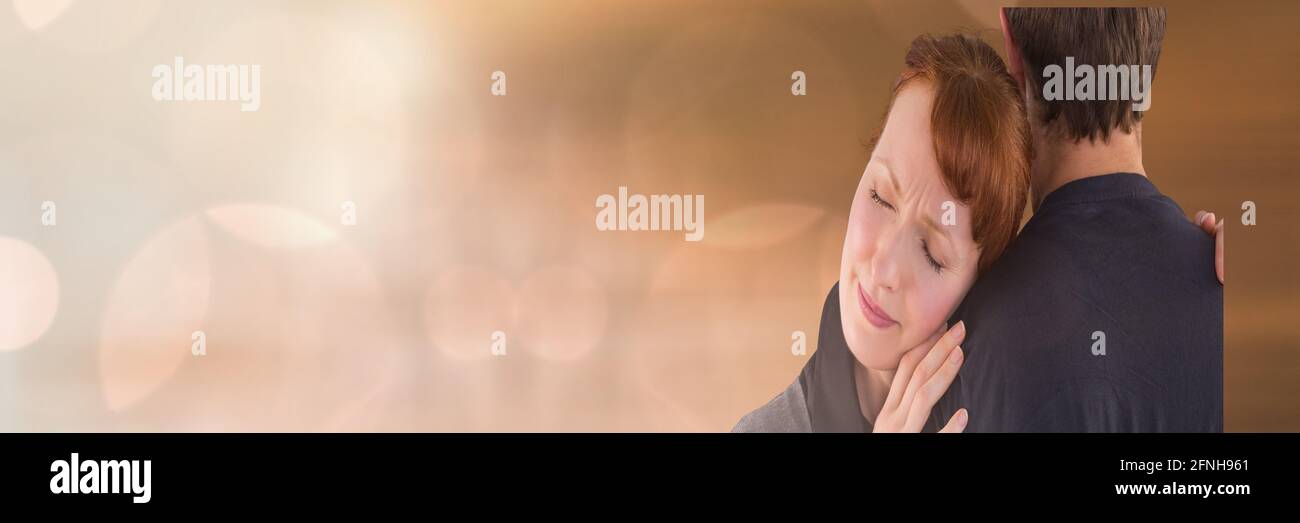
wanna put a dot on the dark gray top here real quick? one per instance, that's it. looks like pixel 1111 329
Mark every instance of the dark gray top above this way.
pixel 824 397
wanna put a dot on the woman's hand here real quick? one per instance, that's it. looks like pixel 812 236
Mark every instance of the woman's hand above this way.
pixel 923 377
pixel 1207 223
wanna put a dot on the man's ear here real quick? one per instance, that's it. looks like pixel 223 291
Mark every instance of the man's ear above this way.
pixel 1015 64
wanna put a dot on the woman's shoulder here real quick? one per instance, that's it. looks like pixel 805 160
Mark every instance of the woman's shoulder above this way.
pixel 787 412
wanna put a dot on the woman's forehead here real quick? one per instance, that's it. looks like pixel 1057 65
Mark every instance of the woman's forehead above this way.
pixel 905 155
pixel 906 141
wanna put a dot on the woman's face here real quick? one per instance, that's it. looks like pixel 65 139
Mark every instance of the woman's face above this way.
pixel 908 256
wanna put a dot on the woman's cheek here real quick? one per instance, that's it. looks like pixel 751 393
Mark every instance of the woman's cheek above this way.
pixel 931 308
pixel 861 233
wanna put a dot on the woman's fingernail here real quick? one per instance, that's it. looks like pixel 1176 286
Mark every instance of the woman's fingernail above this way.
pixel 962 417
pixel 955 357
pixel 960 328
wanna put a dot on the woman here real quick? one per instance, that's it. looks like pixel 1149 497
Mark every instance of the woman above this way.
pixel 939 201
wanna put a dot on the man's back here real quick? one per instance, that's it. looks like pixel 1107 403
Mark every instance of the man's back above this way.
pixel 1104 315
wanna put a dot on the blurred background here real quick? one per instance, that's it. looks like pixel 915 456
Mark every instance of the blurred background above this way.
pixel 475 213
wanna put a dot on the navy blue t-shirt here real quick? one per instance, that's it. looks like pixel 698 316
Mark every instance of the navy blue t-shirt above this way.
pixel 1104 315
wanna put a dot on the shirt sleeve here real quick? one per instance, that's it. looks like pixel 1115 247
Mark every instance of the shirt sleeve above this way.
pixel 787 412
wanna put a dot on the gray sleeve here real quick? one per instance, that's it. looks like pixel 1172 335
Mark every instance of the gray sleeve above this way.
pixel 787 412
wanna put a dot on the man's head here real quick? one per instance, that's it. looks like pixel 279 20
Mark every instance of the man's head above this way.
pixel 1038 38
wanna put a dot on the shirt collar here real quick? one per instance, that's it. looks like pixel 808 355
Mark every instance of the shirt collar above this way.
pixel 1099 188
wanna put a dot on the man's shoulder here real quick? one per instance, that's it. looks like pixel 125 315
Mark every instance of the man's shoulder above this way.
pixel 1031 264
pixel 1100 251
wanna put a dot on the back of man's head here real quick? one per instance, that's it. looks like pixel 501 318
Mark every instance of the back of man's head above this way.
pixel 1090 38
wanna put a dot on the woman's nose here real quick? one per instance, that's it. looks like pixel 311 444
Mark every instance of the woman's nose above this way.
pixel 885 263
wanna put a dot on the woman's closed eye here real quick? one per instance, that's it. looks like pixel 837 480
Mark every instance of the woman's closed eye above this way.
pixel 875 196
pixel 934 264
pixel 925 245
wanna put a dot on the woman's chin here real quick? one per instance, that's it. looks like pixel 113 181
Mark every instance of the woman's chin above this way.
pixel 873 351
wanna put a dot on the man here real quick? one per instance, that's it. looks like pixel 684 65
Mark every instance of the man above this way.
pixel 1105 314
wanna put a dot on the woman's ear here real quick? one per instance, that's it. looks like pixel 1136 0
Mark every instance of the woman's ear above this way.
pixel 1015 65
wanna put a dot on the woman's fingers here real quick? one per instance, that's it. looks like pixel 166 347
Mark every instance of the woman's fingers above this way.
pixel 957 423
pixel 904 372
pixel 1218 250
pixel 932 362
pixel 933 389
pixel 1204 217
pixel 927 363
pixel 1213 226
pixel 1204 220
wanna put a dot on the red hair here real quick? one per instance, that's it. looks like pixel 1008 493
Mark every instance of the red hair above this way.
pixel 981 133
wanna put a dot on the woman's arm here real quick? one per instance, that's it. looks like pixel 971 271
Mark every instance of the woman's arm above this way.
pixel 787 412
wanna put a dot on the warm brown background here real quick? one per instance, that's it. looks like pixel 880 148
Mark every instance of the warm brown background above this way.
pixel 475 213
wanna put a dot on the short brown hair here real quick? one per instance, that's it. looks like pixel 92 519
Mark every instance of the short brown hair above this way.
pixel 1093 36
pixel 981 135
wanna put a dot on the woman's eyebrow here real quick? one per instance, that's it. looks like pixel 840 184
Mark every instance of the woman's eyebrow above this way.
pixel 893 180
pixel 926 218
pixel 889 171
pixel 940 230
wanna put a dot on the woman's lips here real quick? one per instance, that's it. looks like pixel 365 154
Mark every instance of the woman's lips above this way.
pixel 874 314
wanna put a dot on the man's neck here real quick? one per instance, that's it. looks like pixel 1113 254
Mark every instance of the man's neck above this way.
pixel 1059 161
